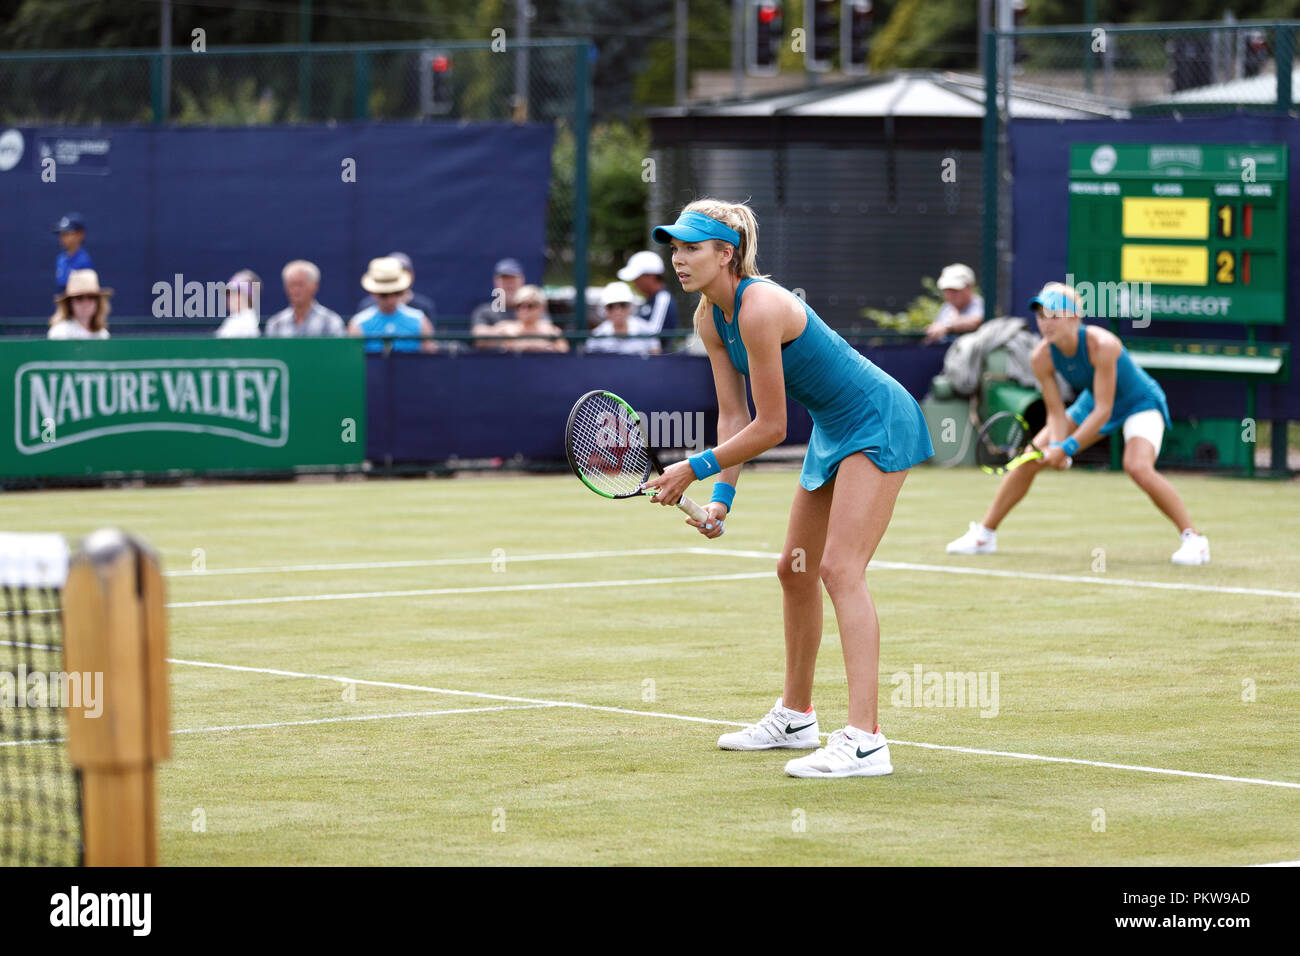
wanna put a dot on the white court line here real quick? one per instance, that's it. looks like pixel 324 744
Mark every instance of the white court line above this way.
pixel 1036 576
pixel 455 693
pixel 430 562
pixel 29 743
pixel 731 723
pixel 424 592
pixel 304 723
pixel 1283 863
pixel 340 720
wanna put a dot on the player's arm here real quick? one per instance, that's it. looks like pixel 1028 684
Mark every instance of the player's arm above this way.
pixel 1103 351
pixel 763 323
pixel 1058 423
pixel 733 403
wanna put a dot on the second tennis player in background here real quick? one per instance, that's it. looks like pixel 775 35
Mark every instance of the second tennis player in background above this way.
pixel 867 432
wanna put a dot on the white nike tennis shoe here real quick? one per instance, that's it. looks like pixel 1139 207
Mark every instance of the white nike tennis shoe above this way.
pixel 977 540
pixel 848 753
pixel 781 728
pixel 1195 549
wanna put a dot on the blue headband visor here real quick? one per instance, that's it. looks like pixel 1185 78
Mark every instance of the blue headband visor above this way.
pixel 696 227
pixel 1055 300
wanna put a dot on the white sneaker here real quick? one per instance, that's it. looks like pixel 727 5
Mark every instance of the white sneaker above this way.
pixel 975 541
pixel 781 728
pixel 848 753
pixel 1195 549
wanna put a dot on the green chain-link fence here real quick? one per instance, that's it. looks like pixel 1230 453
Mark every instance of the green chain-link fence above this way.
pixel 537 80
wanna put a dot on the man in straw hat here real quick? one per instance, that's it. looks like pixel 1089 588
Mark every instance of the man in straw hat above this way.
pixel 81 311
pixel 388 281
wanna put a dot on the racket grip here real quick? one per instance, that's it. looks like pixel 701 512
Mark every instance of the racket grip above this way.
pixel 692 509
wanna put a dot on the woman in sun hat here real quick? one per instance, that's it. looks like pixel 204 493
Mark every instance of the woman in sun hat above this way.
pixel 81 311
pixel 867 432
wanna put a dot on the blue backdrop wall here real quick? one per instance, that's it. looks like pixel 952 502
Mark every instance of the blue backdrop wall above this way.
pixel 428 408
pixel 207 202
pixel 1040 155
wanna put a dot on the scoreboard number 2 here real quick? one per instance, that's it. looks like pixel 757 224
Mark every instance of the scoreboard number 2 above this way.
pixel 1225 263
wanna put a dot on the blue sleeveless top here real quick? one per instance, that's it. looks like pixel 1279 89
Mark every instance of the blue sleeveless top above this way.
pixel 1135 390
pixel 403 321
pixel 855 407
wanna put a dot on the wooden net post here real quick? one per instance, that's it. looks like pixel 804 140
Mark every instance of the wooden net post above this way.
pixel 114 626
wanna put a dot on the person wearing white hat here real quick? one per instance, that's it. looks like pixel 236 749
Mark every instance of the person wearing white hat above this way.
pixel 962 310
pixel 612 334
pixel 81 311
pixel 645 270
pixel 389 321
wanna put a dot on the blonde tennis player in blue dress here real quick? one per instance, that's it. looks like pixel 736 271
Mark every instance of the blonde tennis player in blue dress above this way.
pixel 867 432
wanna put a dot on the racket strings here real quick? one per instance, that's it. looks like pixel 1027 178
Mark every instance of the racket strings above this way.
pixel 1002 440
pixel 608 448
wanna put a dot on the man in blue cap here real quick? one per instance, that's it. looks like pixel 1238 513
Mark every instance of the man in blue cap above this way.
pixel 507 279
pixel 71 230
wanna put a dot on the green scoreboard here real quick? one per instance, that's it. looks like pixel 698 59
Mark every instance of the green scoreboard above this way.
pixel 1196 233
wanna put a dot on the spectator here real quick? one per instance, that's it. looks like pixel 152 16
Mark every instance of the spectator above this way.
pixel 532 320
pixel 81 312
pixel 243 294
pixel 71 230
pixel 645 270
pixel 611 335
pixel 305 317
pixel 507 280
pixel 962 310
pixel 387 280
pixel 414 299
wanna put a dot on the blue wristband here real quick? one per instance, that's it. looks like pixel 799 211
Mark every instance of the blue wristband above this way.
pixel 724 493
pixel 704 464
pixel 1070 446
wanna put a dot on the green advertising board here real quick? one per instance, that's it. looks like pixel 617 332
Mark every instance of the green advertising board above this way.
pixel 1182 231
pixel 158 406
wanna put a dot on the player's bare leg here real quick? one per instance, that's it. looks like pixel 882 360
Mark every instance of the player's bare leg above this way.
pixel 1140 465
pixel 801 591
pixel 860 512
pixel 1015 485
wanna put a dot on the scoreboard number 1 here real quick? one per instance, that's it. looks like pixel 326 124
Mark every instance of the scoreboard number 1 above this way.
pixel 1225 221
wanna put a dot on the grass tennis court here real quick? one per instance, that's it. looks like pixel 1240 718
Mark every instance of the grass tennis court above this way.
pixel 524 708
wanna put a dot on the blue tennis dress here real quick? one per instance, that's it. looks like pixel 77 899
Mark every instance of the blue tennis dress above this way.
pixel 1135 390
pixel 855 407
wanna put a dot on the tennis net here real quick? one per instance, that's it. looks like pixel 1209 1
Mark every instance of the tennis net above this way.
pixel 40 791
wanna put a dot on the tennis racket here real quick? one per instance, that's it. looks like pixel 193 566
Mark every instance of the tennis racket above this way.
pixel 608 450
pixel 1005 442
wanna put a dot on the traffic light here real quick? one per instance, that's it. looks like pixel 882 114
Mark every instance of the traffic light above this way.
pixel 435 83
pixel 821 33
pixel 856 27
pixel 441 67
pixel 763 40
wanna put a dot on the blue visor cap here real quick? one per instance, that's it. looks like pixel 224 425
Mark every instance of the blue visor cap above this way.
pixel 696 227
pixel 1055 300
